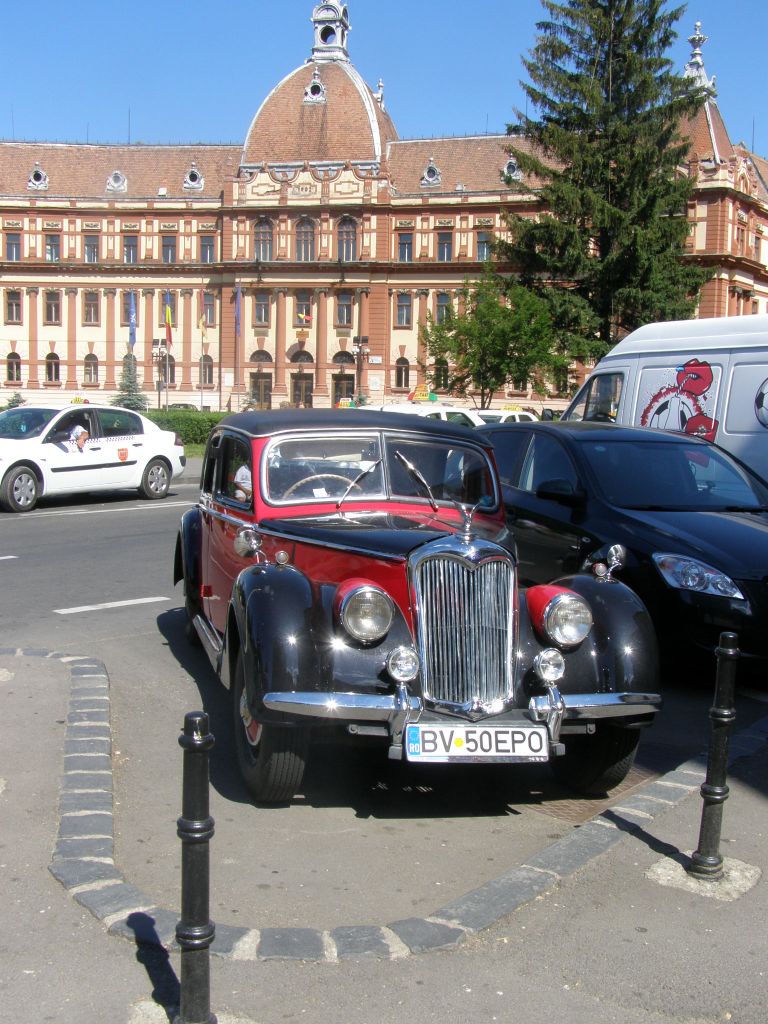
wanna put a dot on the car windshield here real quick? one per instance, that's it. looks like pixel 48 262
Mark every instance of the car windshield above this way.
pixel 651 475
pixel 21 423
pixel 350 467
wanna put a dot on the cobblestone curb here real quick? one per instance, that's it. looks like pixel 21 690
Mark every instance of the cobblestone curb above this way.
pixel 83 856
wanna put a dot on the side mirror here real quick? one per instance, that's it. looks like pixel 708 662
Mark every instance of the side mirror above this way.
pixel 57 436
pixel 547 414
pixel 561 491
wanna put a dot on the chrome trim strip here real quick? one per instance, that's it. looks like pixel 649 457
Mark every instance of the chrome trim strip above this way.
pixel 368 707
pixel 597 705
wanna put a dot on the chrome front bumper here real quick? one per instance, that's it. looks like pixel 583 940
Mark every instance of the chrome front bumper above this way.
pixel 397 710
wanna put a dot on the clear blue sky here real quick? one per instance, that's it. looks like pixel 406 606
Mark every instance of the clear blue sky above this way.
pixel 194 71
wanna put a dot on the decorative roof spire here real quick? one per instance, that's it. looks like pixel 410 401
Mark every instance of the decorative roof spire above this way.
pixel 331 21
pixel 695 66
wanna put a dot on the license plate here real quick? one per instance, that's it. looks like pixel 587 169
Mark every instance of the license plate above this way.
pixel 476 743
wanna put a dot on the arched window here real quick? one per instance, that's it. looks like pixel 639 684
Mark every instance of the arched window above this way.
pixel 91 369
pixel 167 369
pixel 440 375
pixel 52 368
pixel 302 356
pixel 305 240
pixel 262 240
pixel 344 359
pixel 206 371
pixel 260 356
pixel 402 373
pixel 13 367
pixel 347 240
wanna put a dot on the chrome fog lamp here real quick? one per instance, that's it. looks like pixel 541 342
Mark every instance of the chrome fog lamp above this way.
pixel 403 664
pixel 568 619
pixel 549 665
pixel 247 542
pixel 366 614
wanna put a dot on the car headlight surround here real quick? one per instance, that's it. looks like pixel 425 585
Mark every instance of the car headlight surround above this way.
pixel 567 620
pixel 366 612
pixel 690 574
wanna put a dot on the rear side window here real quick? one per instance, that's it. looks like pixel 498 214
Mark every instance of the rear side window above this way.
pixel 120 423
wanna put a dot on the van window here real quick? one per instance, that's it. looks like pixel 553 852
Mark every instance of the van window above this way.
pixel 681 396
pixel 599 398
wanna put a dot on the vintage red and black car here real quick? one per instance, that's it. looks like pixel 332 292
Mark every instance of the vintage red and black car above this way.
pixel 366 582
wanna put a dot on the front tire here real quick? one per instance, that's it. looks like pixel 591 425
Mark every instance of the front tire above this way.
pixel 156 480
pixel 19 490
pixel 272 768
pixel 594 765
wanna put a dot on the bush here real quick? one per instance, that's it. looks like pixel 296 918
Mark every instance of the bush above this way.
pixel 192 427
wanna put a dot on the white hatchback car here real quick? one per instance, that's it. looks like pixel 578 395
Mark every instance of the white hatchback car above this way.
pixel 508 416
pixel 40 457
pixel 434 411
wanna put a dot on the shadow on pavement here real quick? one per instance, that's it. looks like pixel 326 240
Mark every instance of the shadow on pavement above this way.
pixel 166 990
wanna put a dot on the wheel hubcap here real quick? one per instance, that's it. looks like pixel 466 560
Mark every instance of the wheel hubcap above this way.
pixel 24 490
pixel 158 480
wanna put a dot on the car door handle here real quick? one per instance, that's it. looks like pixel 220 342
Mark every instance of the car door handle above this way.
pixel 94 447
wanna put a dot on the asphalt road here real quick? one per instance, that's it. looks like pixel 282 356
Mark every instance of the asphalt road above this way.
pixel 367 841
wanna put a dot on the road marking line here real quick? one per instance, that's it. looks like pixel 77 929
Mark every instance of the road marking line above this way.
pixel 7 558
pixel 98 511
pixel 108 604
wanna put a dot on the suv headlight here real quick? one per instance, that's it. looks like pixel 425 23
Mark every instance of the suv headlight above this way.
pixel 690 574
pixel 367 613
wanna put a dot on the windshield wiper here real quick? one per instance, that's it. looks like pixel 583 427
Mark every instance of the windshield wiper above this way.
pixel 418 477
pixel 358 478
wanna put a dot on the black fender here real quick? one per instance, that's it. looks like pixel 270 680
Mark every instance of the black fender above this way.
pixel 285 629
pixel 186 561
pixel 620 655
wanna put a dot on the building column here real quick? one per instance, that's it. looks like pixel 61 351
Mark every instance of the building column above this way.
pixel 71 379
pixel 280 388
pixel 421 348
pixel 33 319
pixel 110 333
pixel 148 294
pixel 186 340
pixel 321 376
pixel 361 294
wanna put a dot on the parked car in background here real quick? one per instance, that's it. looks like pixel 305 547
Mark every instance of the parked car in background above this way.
pixel 368 586
pixel 693 521
pixel 434 411
pixel 39 457
pixel 507 416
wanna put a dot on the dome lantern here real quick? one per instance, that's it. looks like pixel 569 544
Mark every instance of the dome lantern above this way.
pixel 331 21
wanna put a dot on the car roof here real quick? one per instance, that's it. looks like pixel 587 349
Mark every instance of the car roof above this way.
pixel 262 423
pixel 583 430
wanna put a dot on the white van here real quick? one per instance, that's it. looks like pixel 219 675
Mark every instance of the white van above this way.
pixel 705 377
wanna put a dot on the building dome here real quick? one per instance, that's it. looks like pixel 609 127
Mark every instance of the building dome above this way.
pixel 323 112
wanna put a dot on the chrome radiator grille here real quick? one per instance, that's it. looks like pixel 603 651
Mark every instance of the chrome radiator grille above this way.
pixel 465 616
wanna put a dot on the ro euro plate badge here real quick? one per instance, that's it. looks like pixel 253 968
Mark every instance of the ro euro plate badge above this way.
pixel 473 743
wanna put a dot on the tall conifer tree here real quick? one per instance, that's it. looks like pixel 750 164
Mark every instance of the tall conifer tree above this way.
pixel 606 156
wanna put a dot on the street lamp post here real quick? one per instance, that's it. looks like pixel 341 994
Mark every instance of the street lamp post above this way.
pixel 361 353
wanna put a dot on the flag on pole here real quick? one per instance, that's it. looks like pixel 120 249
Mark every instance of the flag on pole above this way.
pixel 237 311
pixel 132 321
pixel 168 318
pixel 305 318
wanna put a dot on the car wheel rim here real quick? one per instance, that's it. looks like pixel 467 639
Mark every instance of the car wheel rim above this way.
pixel 158 480
pixel 24 490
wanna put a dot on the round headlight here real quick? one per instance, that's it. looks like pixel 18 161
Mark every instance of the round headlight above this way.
pixel 403 664
pixel 568 619
pixel 366 614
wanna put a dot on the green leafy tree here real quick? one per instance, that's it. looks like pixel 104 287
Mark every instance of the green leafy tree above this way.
pixel 14 401
pixel 130 395
pixel 604 157
pixel 502 333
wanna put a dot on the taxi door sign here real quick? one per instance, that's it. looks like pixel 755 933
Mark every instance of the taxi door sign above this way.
pixel 122 454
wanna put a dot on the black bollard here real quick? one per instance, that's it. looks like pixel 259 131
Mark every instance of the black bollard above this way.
pixel 195 931
pixel 707 861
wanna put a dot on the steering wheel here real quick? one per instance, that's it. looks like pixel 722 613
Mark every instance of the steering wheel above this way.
pixel 319 476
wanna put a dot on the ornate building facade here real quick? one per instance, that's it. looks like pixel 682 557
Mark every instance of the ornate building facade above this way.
pixel 298 268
